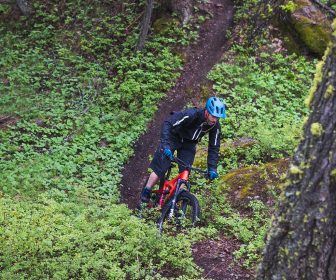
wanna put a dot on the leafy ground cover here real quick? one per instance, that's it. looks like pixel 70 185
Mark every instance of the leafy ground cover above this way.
pixel 264 93
pixel 265 96
pixel 84 238
pixel 80 96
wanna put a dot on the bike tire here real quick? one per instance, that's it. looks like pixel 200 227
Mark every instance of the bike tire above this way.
pixel 186 203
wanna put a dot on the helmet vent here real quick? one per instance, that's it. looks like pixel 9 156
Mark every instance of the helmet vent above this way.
pixel 215 107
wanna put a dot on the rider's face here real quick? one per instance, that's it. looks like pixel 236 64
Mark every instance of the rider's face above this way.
pixel 211 119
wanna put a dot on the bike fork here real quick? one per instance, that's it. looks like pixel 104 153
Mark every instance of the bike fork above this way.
pixel 171 212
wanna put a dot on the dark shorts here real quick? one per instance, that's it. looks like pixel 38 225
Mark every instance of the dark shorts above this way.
pixel 185 151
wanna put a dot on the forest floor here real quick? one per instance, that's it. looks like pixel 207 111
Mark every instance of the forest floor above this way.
pixel 214 256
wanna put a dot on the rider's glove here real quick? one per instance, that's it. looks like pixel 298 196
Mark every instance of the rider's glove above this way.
pixel 212 174
pixel 168 153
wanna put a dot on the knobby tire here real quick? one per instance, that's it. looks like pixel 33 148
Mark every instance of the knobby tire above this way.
pixel 186 202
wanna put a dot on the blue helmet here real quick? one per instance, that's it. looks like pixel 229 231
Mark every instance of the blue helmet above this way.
pixel 215 107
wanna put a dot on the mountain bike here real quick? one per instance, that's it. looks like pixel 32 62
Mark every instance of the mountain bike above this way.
pixel 179 207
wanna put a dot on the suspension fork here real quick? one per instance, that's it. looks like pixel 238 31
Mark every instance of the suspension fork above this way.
pixel 184 204
pixel 177 192
pixel 172 208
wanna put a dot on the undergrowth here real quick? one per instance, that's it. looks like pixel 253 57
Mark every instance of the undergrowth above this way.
pixel 84 238
pixel 264 93
pixel 81 96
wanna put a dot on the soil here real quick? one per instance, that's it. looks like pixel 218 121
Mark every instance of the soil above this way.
pixel 201 57
pixel 214 256
pixel 7 121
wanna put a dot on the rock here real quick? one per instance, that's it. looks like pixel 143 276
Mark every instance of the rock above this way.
pixel 183 9
pixel 164 24
pixel 254 182
pixel 312 26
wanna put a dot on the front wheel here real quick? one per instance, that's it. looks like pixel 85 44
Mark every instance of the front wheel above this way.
pixel 185 214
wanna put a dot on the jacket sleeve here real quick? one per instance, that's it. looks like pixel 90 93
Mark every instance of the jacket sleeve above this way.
pixel 178 119
pixel 213 148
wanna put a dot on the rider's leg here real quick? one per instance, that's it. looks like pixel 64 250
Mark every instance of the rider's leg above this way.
pixel 187 154
pixel 146 191
pixel 159 165
pixel 152 180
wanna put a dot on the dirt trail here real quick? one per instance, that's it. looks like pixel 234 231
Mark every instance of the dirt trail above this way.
pixel 201 57
pixel 214 256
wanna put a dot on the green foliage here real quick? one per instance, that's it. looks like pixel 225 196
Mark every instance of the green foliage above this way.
pixel 264 94
pixel 4 8
pixel 82 98
pixel 289 7
pixel 264 99
pixel 84 239
pixel 330 4
pixel 249 228
pixel 252 232
pixel 246 9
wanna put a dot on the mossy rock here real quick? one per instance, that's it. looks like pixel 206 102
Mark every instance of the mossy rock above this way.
pixel 312 26
pixel 226 150
pixel 164 24
pixel 254 182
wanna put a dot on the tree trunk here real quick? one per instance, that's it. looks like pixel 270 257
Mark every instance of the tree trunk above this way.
pixel 302 241
pixel 22 4
pixel 145 25
pixel 24 7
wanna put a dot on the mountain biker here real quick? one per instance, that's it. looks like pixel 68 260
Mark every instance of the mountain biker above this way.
pixel 181 132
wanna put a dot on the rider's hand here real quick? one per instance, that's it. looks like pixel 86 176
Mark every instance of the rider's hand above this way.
pixel 212 174
pixel 168 153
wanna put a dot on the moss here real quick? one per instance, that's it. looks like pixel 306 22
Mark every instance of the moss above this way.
pixel 316 129
pixel 329 92
pixel 164 24
pixel 316 82
pixel 312 26
pixel 318 78
pixel 333 173
pixel 295 170
pixel 315 37
pixel 255 180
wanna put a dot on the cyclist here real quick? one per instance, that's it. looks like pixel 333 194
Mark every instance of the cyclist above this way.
pixel 181 132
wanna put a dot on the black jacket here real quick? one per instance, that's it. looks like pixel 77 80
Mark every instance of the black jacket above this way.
pixel 190 125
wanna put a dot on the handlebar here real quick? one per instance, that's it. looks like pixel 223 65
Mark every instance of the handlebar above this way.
pixel 188 166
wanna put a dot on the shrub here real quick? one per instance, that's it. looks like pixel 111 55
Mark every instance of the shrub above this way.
pixel 84 239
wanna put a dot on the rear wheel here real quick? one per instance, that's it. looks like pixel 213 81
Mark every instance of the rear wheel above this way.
pixel 185 214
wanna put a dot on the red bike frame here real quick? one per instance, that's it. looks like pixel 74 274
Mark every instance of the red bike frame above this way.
pixel 169 187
